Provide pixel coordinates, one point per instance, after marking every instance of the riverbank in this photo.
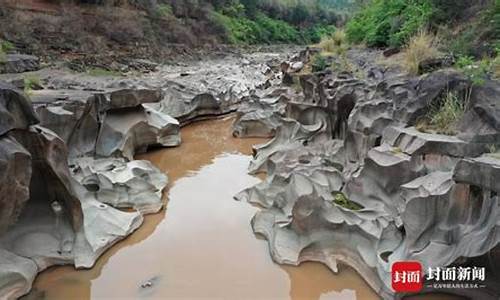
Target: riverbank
(333, 133)
(202, 244)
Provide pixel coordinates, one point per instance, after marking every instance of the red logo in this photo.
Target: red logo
(407, 276)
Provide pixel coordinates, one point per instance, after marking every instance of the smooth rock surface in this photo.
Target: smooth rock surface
(390, 193)
(135, 184)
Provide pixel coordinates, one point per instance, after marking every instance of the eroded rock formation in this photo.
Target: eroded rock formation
(351, 179)
(18, 63)
(48, 217)
(67, 158)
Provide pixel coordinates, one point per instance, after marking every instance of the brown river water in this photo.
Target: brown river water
(202, 245)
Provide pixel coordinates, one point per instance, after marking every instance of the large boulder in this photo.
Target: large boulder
(71, 114)
(413, 142)
(483, 171)
(15, 176)
(126, 98)
(481, 123)
(48, 217)
(16, 275)
(19, 63)
(122, 184)
(126, 132)
(113, 123)
(15, 109)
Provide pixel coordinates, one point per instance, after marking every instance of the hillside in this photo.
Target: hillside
(95, 29)
(422, 36)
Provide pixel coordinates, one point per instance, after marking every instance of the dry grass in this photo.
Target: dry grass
(421, 47)
(444, 115)
(339, 37)
(335, 43)
(495, 67)
(327, 44)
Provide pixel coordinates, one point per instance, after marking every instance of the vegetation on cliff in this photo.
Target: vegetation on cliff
(466, 28)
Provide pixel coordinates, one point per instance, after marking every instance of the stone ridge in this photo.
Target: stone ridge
(67, 162)
(351, 179)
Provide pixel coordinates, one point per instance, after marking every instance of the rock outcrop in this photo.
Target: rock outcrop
(351, 179)
(67, 163)
(19, 63)
(52, 216)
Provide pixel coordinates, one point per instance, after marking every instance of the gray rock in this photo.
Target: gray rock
(260, 123)
(136, 184)
(483, 171)
(15, 109)
(71, 114)
(390, 193)
(481, 123)
(260, 117)
(444, 221)
(16, 275)
(19, 63)
(54, 218)
(124, 133)
(127, 98)
(414, 142)
(106, 124)
(432, 64)
(15, 176)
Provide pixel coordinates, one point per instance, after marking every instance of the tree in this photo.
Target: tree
(250, 7)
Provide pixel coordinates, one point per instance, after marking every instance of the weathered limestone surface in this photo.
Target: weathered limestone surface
(122, 125)
(19, 63)
(207, 89)
(15, 112)
(47, 216)
(130, 132)
(483, 171)
(16, 275)
(66, 170)
(350, 179)
(260, 115)
(15, 175)
(121, 183)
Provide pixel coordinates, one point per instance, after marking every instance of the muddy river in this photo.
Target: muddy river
(202, 245)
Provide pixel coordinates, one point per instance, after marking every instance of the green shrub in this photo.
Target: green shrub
(389, 22)
(165, 10)
(314, 34)
(342, 200)
(241, 30)
(319, 63)
(463, 44)
(238, 30)
(277, 30)
(477, 72)
(445, 117)
(30, 82)
(234, 9)
(5, 47)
